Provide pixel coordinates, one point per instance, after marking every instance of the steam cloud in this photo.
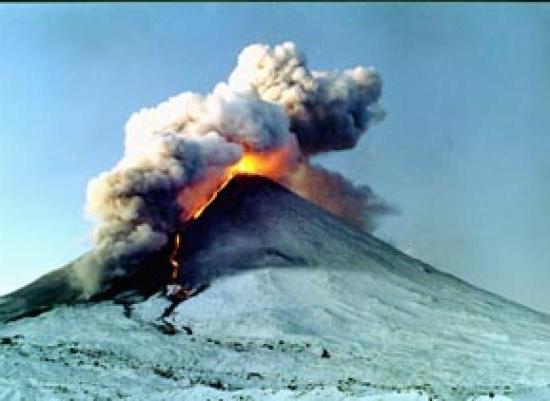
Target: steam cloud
(176, 154)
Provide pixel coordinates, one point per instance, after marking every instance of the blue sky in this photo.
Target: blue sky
(462, 153)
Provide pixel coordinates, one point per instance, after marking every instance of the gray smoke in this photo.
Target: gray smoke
(327, 110)
(177, 153)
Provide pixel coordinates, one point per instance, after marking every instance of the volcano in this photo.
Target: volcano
(300, 306)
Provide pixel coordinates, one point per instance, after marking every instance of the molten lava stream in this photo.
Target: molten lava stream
(272, 165)
(177, 242)
(173, 260)
(201, 209)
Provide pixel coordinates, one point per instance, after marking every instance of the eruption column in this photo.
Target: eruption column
(269, 118)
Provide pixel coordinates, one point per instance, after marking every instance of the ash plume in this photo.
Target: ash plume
(327, 110)
(357, 205)
(178, 153)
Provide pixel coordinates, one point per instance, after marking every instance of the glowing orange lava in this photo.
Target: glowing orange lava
(199, 211)
(196, 199)
(254, 163)
(173, 261)
(270, 164)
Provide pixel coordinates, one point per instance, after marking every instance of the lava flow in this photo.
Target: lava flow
(272, 164)
(173, 257)
(275, 165)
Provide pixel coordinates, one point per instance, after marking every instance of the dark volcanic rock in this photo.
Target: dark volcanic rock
(231, 234)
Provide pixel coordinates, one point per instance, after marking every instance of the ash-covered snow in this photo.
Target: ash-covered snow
(316, 311)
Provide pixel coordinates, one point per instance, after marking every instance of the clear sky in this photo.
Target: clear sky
(462, 153)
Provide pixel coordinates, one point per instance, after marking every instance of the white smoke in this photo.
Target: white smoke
(181, 150)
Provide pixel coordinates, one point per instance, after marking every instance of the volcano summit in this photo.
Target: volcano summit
(293, 298)
(301, 306)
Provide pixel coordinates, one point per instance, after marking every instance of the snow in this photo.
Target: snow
(260, 335)
(333, 314)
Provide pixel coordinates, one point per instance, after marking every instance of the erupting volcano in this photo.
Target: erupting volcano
(300, 304)
(270, 118)
(216, 196)
(272, 164)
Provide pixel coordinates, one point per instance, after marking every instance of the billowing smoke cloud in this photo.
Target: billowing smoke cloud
(357, 205)
(327, 111)
(178, 153)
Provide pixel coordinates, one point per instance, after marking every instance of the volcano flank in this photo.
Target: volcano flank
(298, 302)
(252, 223)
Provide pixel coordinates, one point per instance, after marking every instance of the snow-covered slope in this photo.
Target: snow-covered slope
(301, 306)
